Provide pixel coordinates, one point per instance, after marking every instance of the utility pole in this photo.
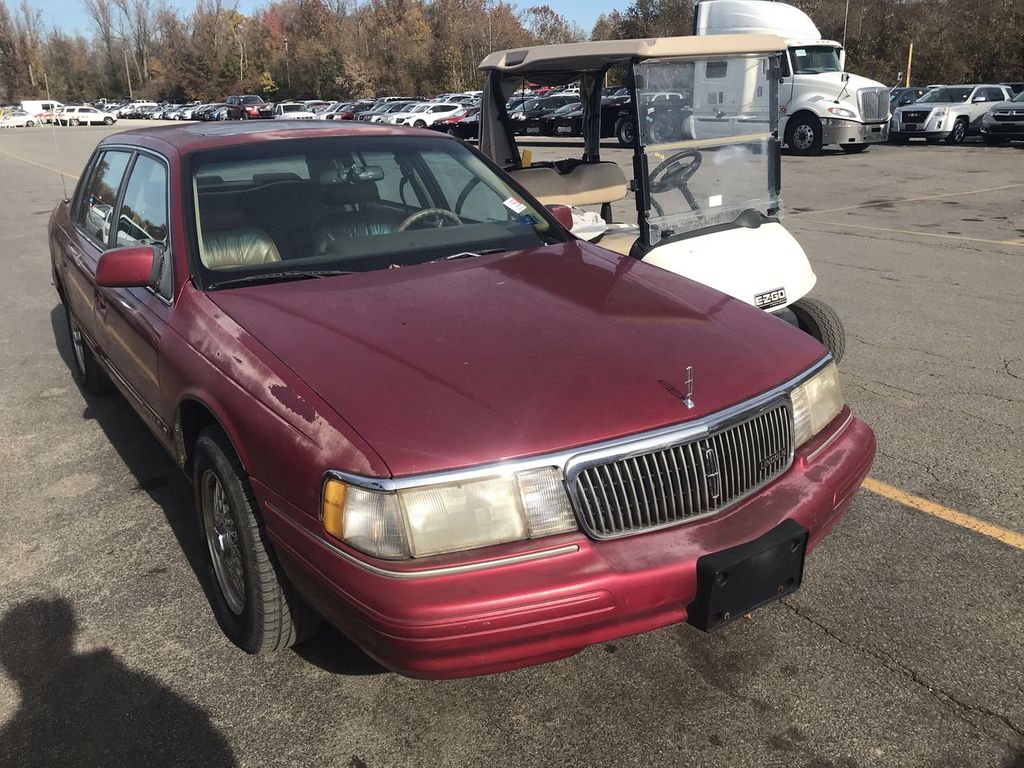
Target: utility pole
(910, 61)
(287, 67)
(128, 73)
(846, 18)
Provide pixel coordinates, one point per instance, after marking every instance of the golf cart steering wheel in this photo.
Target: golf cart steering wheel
(440, 213)
(673, 173)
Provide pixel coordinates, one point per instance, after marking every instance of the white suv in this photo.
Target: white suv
(84, 116)
(425, 114)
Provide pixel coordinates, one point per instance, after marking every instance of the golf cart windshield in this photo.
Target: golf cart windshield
(707, 144)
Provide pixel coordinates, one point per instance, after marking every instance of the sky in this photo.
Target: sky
(70, 15)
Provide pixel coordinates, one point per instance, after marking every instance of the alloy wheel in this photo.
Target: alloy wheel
(222, 540)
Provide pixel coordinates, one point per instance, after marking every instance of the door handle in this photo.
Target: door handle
(101, 305)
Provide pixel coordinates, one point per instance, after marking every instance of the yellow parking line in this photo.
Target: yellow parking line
(1004, 535)
(915, 233)
(45, 167)
(909, 200)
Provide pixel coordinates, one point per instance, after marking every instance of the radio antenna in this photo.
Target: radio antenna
(56, 144)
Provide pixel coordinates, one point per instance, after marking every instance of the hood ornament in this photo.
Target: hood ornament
(686, 396)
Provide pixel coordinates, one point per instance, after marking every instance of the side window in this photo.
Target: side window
(716, 69)
(467, 198)
(100, 195)
(142, 219)
(993, 94)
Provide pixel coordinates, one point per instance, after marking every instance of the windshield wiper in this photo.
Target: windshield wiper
(468, 254)
(271, 277)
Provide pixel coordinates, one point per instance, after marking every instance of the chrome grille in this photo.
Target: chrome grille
(874, 104)
(682, 482)
(916, 117)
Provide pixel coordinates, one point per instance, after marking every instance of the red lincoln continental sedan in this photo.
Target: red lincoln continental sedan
(410, 402)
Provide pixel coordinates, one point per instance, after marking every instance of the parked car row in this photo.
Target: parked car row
(13, 117)
(951, 113)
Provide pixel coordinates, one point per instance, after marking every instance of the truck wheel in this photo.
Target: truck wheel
(624, 132)
(819, 320)
(88, 374)
(959, 132)
(803, 135)
(255, 605)
(853, 149)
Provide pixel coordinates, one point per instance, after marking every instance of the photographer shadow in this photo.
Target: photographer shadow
(89, 709)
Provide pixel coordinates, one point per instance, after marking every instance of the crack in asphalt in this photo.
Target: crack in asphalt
(893, 665)
(915, 462)
(1006, 367)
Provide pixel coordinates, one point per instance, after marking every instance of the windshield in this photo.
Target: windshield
(565, 109)
(710, 150)
(945, 96)
(1018, 97)
(814, 59)
(293, 108)
(354, 205)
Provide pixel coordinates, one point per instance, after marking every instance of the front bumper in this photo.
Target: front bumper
(1003, 130)
(459, 616)
(837, 131)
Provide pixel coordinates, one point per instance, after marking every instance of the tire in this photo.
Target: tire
(74, 121)
(90, 377)
(660, 132)
(959, 132)
(853, 149)
(256, 607)
(30, 123)
(419, 124)
(625, 133)
(819, 320)
(803, 135)
(108, 121)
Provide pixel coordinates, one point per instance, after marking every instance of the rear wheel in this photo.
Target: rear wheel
(108, 121)
(853, 149)
(255, 605)
(959, 132)
(88, 374)
(819, 320)
(803, 135)
(624, 132)
(419, 124)
(74, 121)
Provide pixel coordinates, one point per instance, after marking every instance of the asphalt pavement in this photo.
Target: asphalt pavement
(904, 647)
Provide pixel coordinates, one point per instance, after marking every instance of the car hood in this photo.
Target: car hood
(447, 365)
(917, 105)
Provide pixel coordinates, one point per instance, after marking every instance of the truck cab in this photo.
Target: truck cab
(820, 104)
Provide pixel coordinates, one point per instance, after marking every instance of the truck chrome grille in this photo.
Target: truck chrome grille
(634, 493)
(874, 104)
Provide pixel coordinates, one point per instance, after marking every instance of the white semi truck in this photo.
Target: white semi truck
(819, 103)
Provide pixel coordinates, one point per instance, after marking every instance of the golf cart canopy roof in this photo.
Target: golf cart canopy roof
(557, 64)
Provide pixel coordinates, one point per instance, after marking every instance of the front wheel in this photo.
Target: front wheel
(255, 605)
(819, 320)
(74, 121)
(88, 374)
(959, 132)
(803, 135)
(108, 121)
(853, 149)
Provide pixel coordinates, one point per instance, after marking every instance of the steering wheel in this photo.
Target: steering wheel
(672, 173)
(426, 213)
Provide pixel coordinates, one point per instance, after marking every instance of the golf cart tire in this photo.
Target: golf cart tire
(808, 120)
(853, 149)
(819, 320)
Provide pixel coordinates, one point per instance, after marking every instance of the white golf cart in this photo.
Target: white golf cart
(706, 162)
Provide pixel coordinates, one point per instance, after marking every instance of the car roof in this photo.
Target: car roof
(540, 60)
(183, 140)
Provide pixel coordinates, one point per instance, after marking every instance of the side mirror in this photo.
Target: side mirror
(842, 59)
(133, 267)
(978, 99)
(563, 213)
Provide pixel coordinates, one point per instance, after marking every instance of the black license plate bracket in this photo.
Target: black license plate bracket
(738, 580)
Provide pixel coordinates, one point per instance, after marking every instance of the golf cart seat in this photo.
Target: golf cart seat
(583, 184)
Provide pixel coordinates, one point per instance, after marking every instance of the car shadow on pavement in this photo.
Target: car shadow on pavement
(90, 709)
(159, 476)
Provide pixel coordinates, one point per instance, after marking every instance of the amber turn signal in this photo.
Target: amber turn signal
(332, 509)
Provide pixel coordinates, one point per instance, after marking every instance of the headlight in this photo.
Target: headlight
(940, 112)
(842, 112)
(815, 403)
(433, 519)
